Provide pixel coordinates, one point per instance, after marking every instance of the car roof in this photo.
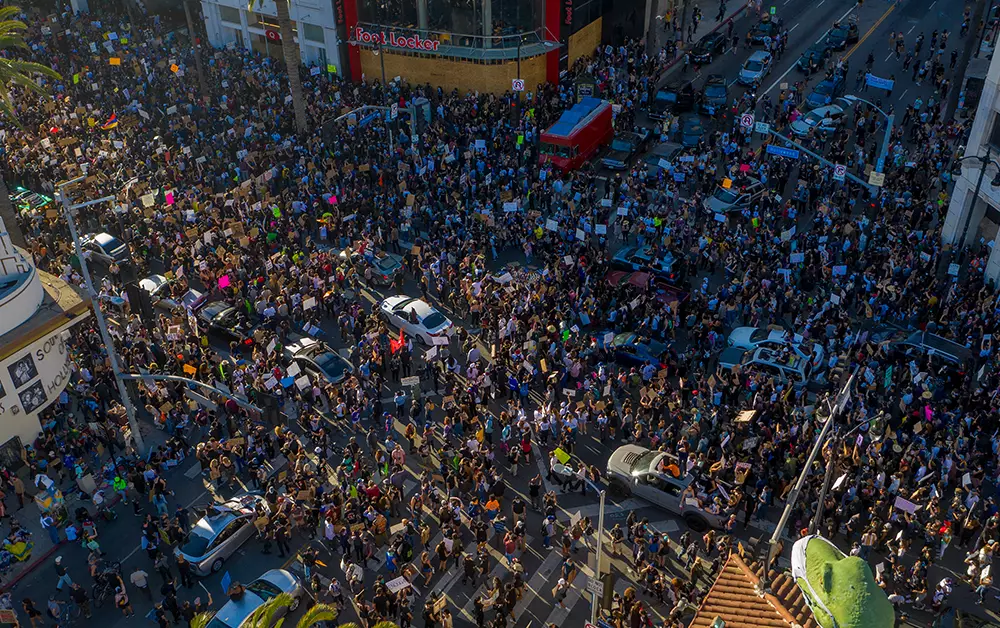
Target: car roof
(209, 527)
(666, 148)
(103, 238)
(304, 345)
(422, 308)
(714, 79)
(234, 612)
(759, 55)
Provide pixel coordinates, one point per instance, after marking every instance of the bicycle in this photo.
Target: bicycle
(70, 613)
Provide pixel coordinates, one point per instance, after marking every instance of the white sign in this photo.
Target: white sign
(410, 381)
(762, 127)
(839, 170)
(876, 179)
(746, 120)
(393, 110)
(595, 586)
(398, 584)
(517, 85)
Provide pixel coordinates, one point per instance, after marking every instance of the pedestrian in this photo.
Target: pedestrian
(62, 574)
(122, 601)
(140, 580)
(34, 615)
(79, 596)
(186, 572)
(49, 525)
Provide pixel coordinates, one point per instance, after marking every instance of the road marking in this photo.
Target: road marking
(903, 94)
(932, 5)
(792, 28)
(911, 29)
(820, 4)
(870, 31)
(890, 56)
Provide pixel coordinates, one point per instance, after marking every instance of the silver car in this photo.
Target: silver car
(270, 585)
(317, 359)
(656, 477)
(217, 535)
(105, 248)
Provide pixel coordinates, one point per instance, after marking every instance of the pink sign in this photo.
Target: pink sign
(224, 281)
(170, 198)
(333, 199)
(744, 167)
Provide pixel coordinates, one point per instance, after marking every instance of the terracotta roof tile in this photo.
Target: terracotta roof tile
(734, 598)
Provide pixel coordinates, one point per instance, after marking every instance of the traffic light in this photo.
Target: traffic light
(141, 303)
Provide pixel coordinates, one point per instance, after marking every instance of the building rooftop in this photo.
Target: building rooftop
(62, 303)
(734, 598)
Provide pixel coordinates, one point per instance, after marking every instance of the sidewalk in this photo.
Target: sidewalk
(659, 37)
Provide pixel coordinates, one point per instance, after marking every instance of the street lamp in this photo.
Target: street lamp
(890, 118)
(385, 93)
(984, 161)
(565, 471)
(102, 324)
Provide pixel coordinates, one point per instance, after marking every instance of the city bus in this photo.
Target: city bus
(578, 134)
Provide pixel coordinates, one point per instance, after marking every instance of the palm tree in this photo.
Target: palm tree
(271, 615)
(14, 72)
(292, 61)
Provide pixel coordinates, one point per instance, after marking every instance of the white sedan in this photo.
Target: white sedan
(753, 337)
(416, 318)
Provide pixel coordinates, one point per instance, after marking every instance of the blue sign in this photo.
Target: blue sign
(226, 581)
(782, 152)
(879, 82)
(881, 164)
(365, 120)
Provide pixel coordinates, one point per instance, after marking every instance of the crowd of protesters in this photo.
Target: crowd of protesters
(221, 194)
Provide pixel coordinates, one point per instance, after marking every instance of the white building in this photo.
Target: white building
(229, 22)
(972, 219)
(36, 309)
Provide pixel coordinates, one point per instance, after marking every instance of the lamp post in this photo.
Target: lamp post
(565, 471)
(102, 324)
(385, 94)
(890, 119)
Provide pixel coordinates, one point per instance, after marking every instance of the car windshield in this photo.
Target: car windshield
(839, 33)
(623, 339)
(813, 118)
(715, 91)
(824, 88)
(112, 244)
(759, 335)
(195, 546)
(386, 263)
(724, 195)
(622, 145)
(753, 66)
(693, 127)
(642, 462)
(666, 97)
(331, 364)
(434, 320)
(264, 589)
(212, 310)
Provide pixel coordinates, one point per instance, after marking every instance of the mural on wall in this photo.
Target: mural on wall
(23, 371)
(33, 397)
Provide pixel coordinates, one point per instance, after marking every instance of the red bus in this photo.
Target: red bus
(578, 134)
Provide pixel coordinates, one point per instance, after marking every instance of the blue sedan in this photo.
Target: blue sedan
(632, 349)
(825, 92)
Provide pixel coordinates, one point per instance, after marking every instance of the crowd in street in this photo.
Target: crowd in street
(223, 195)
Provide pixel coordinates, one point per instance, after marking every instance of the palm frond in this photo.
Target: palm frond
(264, 616)
(201, 620)
(7, 14)
(316, 614)
(387, 624)
(15, 72)
(349, 625)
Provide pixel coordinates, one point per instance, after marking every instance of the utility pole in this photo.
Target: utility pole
(102, 324)
(196, 48)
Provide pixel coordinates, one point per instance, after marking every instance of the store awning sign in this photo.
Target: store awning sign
(383, 38)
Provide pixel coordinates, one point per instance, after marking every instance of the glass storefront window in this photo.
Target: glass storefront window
(402, 13)
(512, 17)
(459, 22)
(313, 32)
(229, 14)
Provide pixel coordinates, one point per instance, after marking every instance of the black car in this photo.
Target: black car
(813, 58)
(767, 28)
(841, 35)
(661, 157)
(623, 147)
(714, 95)
(674, 97)
(227, 322)
(709, 46)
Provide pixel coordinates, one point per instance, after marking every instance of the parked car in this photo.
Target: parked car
(625, 146)
(825, 91)
(753, 337)
(944, 352)
(813, 58)
(191, 300)
(384, 266)
(821, 120)
(714, 95)
(674, 97)
(630, 348)
(105, 248)
(692, 130)
(223, 529)
(659, 478)
(270, 585)
(755, 68)
(658, 159)
(767, 28)
(416, 318)
(158, 286)
(733, 199)
(317, 359)
(709, 46)
(643, 258)
(226, 321)
(664, 290)
(841, 35)
(782, 363)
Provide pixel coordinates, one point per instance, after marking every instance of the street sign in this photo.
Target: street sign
(876, 179)
(762, 127)
(778, 151)
(595, 586)
(880, 166)
(879, 82)
(517, 85)
(746, 120)
(393, 111)
(839, 170)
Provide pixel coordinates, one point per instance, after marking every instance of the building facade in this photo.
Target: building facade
(314, 29)
(973, 217)
(36, 311)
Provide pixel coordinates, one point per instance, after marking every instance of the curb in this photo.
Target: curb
(680, 56)
(10, 584)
